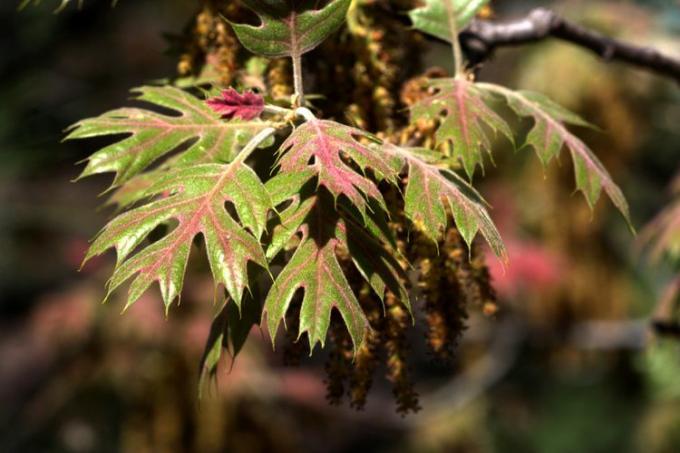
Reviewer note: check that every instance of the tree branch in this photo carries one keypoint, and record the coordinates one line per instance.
(481, 38)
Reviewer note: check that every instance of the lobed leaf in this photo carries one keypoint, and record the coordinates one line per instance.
(331, 150)
(433, 17)
(290, 28)
(315, 270)
(431, 192)
(549, 135)
(195, 199)
(464, 120)
(193, 127)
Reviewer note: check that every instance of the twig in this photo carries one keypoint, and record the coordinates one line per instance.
(481, 38)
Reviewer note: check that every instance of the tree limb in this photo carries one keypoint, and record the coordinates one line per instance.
(481, 38)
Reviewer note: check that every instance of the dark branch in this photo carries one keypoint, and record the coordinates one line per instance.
(480, 39)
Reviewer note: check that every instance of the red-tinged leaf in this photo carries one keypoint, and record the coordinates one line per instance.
(330, 149)
(315, 270)
(290, 28)
(232, 104)
(193, 127)
(663, 232)
(464, 118)
(431, 192)
(196, 198)
(549, 135)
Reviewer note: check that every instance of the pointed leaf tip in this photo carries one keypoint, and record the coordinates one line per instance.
(549, 135)
(465, 120)
(148, 135)
(198, 208)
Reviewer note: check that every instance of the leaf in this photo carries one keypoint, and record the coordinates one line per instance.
(228, 332)
(464, 120)
(232, 104)
(290, 28)
(549, 135)
(196, 198)
(315, 270)
(663, 233)
(330, 150)
(373, 260)
(433, 18)
(431, 190)
(192, 126)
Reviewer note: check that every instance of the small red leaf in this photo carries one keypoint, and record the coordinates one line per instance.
(232, 104)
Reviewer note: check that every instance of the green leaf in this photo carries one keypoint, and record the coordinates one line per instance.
(330, 150)
(290, 28)
(464, 119)
(192, 127)
(195, 198)
(314, 269)
(549, 135)
(431, 190)
(433, 18)
(376, 263)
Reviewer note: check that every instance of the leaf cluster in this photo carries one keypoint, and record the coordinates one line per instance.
(276, 194)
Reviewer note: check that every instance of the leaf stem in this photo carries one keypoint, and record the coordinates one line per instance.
(305, 113)
(455, 42)
(276, 110)
(297, 80)
(302, 112)
(254, 142)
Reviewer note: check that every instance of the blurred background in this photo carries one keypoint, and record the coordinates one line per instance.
(568, 364)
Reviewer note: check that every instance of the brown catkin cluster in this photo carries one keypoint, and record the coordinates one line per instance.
(339, 363)
(367, 358)
(382, 49)
(352, 374)
(396, 348)
(209, 39)
(280, 79)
